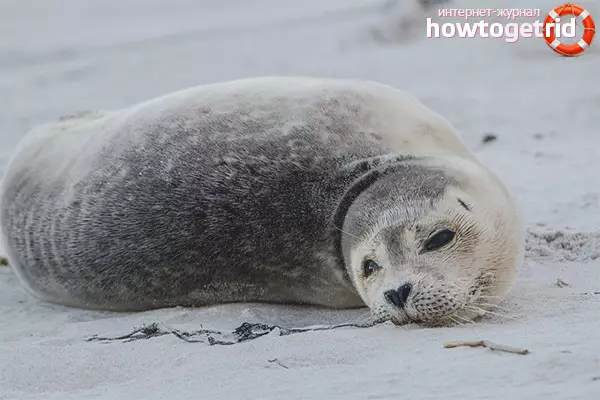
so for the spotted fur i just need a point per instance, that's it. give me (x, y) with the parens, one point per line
(237, 191)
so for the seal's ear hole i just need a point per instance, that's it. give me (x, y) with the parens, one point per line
(465, 205)
(369, 268)
(439, 240)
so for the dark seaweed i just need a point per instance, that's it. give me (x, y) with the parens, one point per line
(245, 332)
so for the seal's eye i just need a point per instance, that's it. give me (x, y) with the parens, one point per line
(439, 240)
(369, 267)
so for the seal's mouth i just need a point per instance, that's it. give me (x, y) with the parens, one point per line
(443, 308)
(431, 323)
(466, 315)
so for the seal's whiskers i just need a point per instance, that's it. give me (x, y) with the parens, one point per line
(486, 312)
(493, 306)
(463, 318)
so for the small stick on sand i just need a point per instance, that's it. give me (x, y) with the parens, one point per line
(489, 345)
(276, 361)
(560, 283)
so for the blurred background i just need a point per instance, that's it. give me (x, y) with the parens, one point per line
(58, 57)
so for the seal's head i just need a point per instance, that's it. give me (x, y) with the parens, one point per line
(436, 241)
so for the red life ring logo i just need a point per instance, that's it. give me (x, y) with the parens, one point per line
(551, 25)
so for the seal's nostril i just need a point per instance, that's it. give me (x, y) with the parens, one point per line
(393, 297)
(404, 291)
(399, 296)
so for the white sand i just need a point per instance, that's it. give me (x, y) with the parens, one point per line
(71, 55)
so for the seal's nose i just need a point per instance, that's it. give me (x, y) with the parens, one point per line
(399, 296)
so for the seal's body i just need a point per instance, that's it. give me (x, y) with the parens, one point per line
(252, 190)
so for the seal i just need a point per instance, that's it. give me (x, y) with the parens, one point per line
(331, 192)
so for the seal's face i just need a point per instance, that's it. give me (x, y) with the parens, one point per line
(439, 261)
